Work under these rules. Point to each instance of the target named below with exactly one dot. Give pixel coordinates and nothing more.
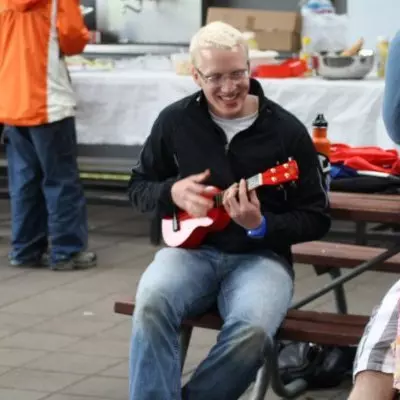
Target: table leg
(340, 295)
(361, 233)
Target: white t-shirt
(233, 126)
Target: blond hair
(218, 35)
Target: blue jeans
(253, 293)
(47, 198)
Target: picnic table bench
(324, 328)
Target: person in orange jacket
(37, 108)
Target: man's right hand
(190, 193)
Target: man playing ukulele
(216, 137)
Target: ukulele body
(192, 231)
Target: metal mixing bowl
(335, 66)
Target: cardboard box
(274, 30)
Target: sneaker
(82, 260)
(43, 261)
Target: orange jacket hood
(23, 5)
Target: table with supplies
(119, 106)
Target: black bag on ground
(322, 367)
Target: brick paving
(59, 337)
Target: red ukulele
(182, 230)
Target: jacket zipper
(227, 145)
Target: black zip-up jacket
(185, 140)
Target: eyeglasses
(219, 79)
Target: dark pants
(47, 199)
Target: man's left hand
(243, 207)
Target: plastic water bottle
(382, 49)
(306, 54)
(322, 145)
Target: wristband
(259, 232)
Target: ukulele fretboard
(252, 183)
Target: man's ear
(196, 75)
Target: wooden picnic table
(313, 326)
(362, 207)
(328, 257)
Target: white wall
(169, 21)
(373, 18)
(162, 21)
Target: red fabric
(366, 158)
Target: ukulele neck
(252, 183)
